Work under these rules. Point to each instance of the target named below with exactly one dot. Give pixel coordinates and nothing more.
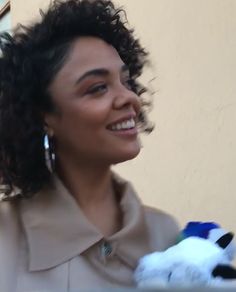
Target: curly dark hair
(29, 61)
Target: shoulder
(9, 224)
(9, 211)
(8, 214)
(160, 217)
(9, 242)
(163, 228)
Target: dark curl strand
(29, 61)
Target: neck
(93, 189)
(89, 185)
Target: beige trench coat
(47, 244)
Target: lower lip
(126, 133)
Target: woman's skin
(91, 93)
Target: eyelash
(101, 88)
(97, 89)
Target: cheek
(94, 112)
(86, 116)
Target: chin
(127, 156)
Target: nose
(126, 98)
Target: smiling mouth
(125, 125)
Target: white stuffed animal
(198, 260)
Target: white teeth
(129, 124)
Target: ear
(225, 240)
(225, 272)
(50, 120)
(48, 130)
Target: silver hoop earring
(49, 153)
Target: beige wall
(188, 164)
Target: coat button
(106, 249)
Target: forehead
(89, 52)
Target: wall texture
(188, 164)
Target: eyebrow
(99, 72)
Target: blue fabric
(199, 229)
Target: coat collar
(57, 230)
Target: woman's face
(96, 112)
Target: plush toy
(202, 257)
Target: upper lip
(122, 119)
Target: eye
(98, 88)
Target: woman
(69, 84)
